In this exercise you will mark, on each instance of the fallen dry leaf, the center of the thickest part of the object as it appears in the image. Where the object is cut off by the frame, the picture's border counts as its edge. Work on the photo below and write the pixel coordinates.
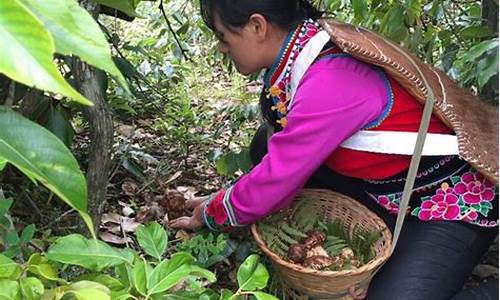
(114, 239)
(129, 224)
(111, 218)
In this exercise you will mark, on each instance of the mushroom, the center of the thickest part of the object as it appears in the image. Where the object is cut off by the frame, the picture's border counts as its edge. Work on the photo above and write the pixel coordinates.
(297, 253)
(314, 238)
(318, 262)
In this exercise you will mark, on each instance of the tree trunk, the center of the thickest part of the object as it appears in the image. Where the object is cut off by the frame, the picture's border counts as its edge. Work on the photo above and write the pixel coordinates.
(489, 14)
(101, 130)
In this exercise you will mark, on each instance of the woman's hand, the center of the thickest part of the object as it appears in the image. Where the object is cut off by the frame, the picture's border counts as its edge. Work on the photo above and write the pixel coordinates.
(196, 220)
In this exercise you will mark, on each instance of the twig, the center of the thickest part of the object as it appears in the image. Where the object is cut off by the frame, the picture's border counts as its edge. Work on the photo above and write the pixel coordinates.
(33, 204)
(172, 30)
(61, 216)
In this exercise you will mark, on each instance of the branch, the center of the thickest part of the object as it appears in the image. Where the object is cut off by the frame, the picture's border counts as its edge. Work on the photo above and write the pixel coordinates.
(172, 30)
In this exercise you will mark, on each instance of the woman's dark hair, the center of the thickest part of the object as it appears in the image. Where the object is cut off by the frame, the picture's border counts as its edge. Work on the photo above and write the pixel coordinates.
(236, 13)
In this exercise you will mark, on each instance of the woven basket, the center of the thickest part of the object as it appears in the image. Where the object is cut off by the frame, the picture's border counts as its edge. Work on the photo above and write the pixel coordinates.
(346, 284)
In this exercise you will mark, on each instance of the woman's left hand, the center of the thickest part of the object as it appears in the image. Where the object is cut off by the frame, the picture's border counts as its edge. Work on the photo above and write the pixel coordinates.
(196, 220)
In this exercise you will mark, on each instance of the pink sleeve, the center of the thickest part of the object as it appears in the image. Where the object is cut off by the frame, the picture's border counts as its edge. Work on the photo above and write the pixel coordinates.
(335, 98)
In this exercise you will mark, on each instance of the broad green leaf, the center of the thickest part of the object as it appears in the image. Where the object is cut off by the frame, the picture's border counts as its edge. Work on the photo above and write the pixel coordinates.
(88, 290)
(9, 290)
(28, 233)
(126, 68)
(31, 288)
(75, 32)
(191, 295)
(142, 272)
(153, 239)
(91, 254)
(9, 268)
(121, 5)
(12, 237)
(170, 272)
(110, 282)
(24, 37)
(226, 295)
(393, 19)
(39, 265)
(55, 293)
(252, 275)
(41, 155)
(479, 49)
(3, 163)
(263, 296)
(122, 295)
(59, 124)
(124, 273)
(490, 70)
(474, 32)
(5, 205)
(360, 8)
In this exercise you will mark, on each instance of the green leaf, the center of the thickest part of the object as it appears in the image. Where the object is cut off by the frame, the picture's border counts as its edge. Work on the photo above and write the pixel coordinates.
(39, 154)
(227, 295)
(142, 271)
(489, 71)
(3, 163)
(170, 272)
(88, 290)
(12, 238)
(9, 268)
(121, 5)
(9, 290)
(59, 124)
(31, 288)
(110, 282)
(124, 274)
(55, 293)
(76, 33)
(360, 8)
(263, 296)
(479, 49)
(5, 205)
(252, 275)
(474, 32)
(91, 254)
(126, 68)
(39, 265)
(393, 19)
(28, 233)
(24, 37)
(153, 239)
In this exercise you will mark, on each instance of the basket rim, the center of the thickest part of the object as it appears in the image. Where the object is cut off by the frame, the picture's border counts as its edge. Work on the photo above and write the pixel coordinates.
(371, 265)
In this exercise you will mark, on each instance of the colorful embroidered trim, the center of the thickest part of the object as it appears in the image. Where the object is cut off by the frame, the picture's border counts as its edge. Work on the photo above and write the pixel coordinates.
(390, 101)
(466, 196)
(277, 78)
(429, 170)
(214, 214)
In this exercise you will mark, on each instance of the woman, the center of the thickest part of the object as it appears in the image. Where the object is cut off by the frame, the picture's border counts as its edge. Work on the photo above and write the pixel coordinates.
(315, 113)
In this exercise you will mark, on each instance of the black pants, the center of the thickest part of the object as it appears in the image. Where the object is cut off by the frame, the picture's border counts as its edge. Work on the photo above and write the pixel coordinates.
(431, 261)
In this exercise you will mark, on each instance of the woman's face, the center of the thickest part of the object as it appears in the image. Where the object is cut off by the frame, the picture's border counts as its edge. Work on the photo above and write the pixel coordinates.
(244, 46)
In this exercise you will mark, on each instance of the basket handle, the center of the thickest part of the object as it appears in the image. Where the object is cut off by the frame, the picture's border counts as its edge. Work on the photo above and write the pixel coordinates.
(417, 153)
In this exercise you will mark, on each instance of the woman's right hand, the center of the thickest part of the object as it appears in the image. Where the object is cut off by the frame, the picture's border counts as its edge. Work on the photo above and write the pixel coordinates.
(196, 220)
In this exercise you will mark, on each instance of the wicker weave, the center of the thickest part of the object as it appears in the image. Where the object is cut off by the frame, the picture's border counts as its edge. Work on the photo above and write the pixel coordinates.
(333, 284)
